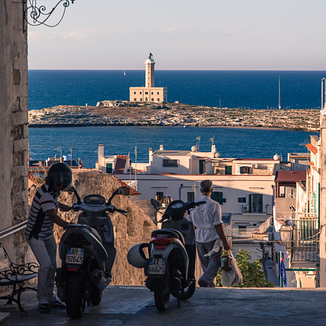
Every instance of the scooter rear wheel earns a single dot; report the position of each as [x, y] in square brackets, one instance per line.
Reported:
[161, 294]
[75, 303]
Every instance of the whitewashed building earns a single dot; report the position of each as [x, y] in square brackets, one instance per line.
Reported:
[243, 187]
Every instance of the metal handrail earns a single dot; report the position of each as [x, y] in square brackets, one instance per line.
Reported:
[13, 229]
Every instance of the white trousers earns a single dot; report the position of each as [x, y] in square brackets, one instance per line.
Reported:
[45, 252]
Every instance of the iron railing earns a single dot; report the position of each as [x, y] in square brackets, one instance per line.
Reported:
[12, 229]
[305, 240]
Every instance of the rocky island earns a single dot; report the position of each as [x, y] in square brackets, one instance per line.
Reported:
[119, 113]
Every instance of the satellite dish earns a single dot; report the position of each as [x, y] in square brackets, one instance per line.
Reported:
[217, 155]
[194, 148]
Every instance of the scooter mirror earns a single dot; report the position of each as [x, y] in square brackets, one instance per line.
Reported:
[156, 204]
[123, 191]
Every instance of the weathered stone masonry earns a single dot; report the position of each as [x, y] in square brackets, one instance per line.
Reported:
[14, 120]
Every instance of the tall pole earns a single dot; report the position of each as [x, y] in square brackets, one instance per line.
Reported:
[136, 167]
[279, 92]
[323, 93]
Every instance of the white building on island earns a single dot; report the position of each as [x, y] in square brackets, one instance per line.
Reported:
[149, 93]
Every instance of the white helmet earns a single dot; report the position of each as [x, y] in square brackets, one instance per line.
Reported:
[136, 256]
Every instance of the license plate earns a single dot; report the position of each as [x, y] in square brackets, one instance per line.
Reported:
[156, 266]
[75, 256]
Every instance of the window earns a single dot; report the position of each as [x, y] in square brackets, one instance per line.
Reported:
[158, 99]
[152, 93]
[152, 100]
[201, 166]
[190, 196]
[140, 99]
[170, 163]
[242, 228]
[109, 168]
[140, 92]
[228, 170]
[242, 199]
[281, 191]
[134, 92]
[158, 93]
[245, 170]
[286, 192]
[146, 93]
[255, 203]
[135, 99]
[218, 196]
[159, 195]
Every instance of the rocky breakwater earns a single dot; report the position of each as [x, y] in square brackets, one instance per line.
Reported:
[134, 228]
[173, 114]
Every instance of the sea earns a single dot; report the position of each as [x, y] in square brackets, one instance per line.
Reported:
[229, 89]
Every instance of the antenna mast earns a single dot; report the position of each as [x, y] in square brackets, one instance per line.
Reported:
[279, 92]
[323, 94]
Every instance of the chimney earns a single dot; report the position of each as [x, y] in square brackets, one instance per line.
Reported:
[101, 157]
[150, 154]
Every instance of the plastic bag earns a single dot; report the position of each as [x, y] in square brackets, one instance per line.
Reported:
[234, 276]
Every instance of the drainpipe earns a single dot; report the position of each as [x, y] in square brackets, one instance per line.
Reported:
[181, 186]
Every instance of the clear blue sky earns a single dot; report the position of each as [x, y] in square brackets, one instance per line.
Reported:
[184, 34]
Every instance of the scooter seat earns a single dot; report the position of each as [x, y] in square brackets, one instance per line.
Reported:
[171, 232]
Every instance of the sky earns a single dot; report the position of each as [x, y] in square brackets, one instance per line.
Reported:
[183, 35]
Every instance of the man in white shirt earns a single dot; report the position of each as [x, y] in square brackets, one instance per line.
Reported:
[207, 220]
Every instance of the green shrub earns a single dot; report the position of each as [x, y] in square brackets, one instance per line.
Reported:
[252, 273]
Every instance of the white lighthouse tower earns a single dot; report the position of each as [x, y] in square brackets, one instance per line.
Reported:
[149, 93]
[149, 73]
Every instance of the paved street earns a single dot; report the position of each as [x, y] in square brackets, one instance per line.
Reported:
[122, 305]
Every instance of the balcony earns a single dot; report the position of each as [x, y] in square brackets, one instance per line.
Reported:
[304, 246]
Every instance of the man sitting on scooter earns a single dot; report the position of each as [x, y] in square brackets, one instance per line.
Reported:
[39, 232]
[207, 220]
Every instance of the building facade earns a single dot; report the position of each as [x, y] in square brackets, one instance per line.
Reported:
[149, 93]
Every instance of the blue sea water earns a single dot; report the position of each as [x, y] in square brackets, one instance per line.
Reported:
[230, 142]
[232, 89]
[243, 89]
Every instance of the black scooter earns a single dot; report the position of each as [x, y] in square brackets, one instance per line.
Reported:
[169, 259]
[87, 253]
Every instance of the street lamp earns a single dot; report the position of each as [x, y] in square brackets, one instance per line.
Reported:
[286, 232]
[37, 14]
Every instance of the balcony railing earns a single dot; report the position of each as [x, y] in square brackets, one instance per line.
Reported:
[255, 209]
[305, 240]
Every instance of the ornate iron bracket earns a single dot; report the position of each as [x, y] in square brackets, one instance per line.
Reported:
[37, 14]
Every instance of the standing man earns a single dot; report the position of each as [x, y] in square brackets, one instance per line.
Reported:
[39, 232]
[207, 220]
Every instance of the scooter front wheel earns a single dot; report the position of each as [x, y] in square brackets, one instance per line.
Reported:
[75, 303]
[161, 294]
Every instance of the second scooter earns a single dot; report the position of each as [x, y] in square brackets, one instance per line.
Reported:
[169, 259]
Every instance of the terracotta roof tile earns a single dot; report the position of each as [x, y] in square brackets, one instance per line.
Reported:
[290, 176]
[312, 148]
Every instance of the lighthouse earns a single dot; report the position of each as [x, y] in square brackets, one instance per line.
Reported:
[149, 93]
[149, 73]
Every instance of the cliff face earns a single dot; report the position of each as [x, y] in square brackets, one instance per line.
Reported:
[134, 228]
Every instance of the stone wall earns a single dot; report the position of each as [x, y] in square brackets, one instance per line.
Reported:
[13, 122]
[134, 228]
